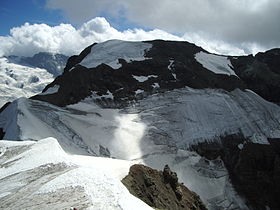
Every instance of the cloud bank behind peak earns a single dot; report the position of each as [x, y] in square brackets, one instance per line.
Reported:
[29, 39]
[244, 24]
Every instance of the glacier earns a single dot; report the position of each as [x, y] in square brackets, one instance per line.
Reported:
[155, 131]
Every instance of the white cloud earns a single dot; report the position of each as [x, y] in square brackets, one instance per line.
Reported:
[238, 23]
[28, 39]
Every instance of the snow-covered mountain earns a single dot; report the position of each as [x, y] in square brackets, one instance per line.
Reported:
[53, 63]
[27, 76]
[213, 119]
[21, 81]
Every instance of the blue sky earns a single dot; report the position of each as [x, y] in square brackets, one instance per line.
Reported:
[17, 12]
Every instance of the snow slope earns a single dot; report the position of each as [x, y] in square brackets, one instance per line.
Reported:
[20, 81]
[215, 63]
[111, 51]
[155, 131]
[33, 176]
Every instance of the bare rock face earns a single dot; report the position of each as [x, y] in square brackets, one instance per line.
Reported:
[160, 189]
[254, 169]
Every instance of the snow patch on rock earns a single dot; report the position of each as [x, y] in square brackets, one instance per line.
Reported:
[111, 51]
[155, 85]
[215, 63]
[143, 78]
[139, 91]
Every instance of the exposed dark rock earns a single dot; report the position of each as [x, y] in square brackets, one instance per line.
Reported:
[254, 169]
[104, 151]
[4, 106]
[160, 190]
[2, 133]
[261, 73]
[75, 59]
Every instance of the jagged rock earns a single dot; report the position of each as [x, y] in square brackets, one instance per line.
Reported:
[254, 169]
[75, 59]
[2, 133]
[160, 190]
[4, 106]
[261, 73]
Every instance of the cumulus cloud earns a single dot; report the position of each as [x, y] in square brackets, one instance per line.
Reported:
[29, 39]
[239, 23]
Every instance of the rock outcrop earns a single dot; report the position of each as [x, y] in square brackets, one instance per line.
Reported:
[254, 169]
[161, 189]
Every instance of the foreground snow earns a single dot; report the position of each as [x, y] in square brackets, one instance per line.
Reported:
[21, 81]
[40, 175]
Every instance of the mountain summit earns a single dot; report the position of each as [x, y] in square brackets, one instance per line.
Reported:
[124, 71]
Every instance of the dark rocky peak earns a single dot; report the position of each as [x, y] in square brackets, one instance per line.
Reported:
[127, 71]
[270, 58]
[75, 59]
[117, 72]
[261, 73]
[160, 189]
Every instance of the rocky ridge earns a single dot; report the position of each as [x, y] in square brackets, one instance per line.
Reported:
[161, 189]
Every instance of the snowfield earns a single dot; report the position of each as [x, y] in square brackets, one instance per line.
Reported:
[21, 81]
[155, 131]
[40, 175]
[111, 51]
[215, 63]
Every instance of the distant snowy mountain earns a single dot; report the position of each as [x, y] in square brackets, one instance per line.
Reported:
[21, 81]
[53, 63]
[27, 76]
[213, 119]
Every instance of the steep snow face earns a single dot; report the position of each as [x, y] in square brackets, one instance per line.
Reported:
[111, 51]
[215, 63]
[176, 118]
[20, 81]
[188, 116]
[32, 172]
